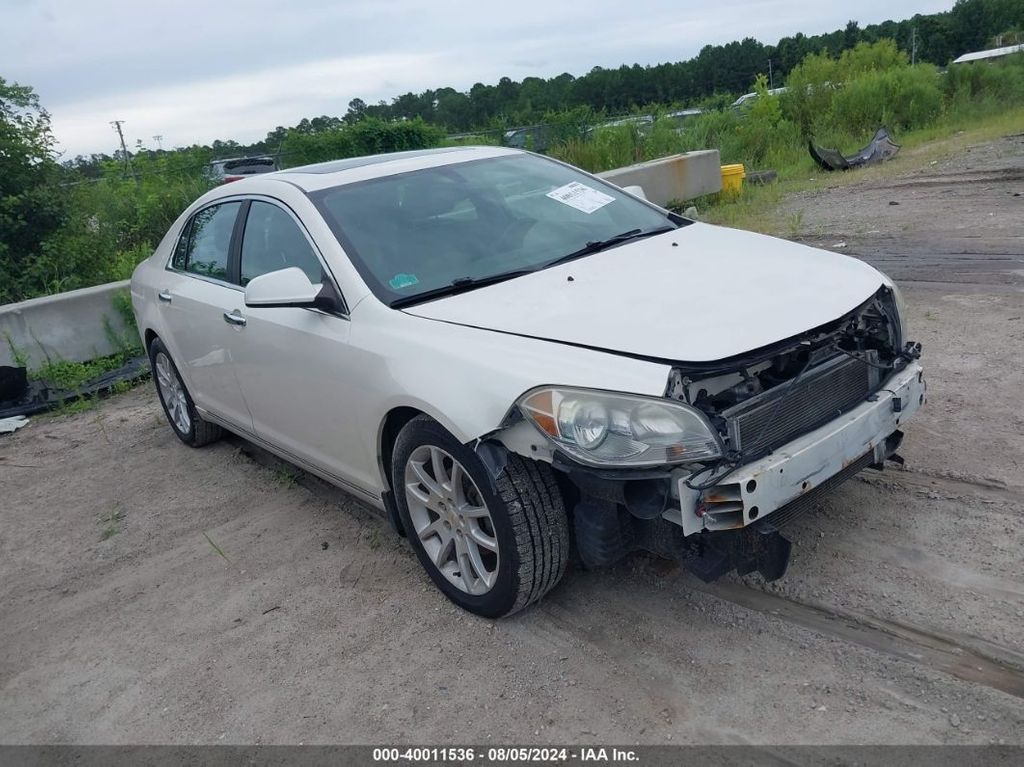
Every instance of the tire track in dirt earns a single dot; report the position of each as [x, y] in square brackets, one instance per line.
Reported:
[971, 660]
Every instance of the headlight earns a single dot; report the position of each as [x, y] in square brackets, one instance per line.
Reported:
[604, 429]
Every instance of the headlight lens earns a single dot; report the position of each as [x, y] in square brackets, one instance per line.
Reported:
[605, 429]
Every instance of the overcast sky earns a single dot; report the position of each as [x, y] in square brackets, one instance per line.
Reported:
[196, 71]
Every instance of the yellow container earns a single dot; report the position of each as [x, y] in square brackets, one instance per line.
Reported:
[732, 179]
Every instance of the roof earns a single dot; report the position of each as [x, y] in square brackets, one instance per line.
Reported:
[992, 53]
[338, 172]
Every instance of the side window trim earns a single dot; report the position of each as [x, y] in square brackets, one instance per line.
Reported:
[235, 248]
[183, 236]
[243, 217]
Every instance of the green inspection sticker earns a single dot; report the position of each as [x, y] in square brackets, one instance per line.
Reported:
[400, 281]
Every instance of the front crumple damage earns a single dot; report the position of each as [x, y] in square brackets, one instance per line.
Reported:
[795, 420]
[762, 400]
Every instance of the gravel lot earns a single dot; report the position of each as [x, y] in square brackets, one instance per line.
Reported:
[900, 620]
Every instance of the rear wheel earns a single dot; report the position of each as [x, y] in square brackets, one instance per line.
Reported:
[174, 397]
[492, 545]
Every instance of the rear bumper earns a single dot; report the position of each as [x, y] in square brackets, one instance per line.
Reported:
[824, 456]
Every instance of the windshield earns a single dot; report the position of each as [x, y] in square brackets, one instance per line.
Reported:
[417, 233]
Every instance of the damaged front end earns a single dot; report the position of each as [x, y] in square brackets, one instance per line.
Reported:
[794, 421]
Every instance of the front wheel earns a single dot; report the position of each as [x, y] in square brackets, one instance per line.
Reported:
[492, 546]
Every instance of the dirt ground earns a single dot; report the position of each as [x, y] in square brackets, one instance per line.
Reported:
[900, 620]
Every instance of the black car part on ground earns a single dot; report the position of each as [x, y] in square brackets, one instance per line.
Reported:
[13, 383]
[38, 396]
[880, 149]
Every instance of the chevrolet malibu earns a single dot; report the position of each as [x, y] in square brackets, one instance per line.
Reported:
[519, 363]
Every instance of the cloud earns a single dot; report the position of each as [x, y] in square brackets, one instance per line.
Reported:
[243, 106]
[194, 71]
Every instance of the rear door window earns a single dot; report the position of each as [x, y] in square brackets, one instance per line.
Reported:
[272, 241]
[209, 240]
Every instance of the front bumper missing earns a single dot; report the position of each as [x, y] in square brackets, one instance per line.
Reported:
[838, 449]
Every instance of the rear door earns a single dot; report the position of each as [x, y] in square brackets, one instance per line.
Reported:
[203, 306]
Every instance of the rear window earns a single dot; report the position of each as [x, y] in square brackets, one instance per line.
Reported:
[209, 240]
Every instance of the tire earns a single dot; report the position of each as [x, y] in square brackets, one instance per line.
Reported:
[177, 403]
[523, 517]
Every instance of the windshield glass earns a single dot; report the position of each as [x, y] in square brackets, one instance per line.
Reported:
[421, 231]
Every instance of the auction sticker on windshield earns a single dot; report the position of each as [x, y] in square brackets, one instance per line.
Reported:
[581, 197]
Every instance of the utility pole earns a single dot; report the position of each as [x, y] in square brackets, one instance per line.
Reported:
[124, 150]
[771, 78]
[159, 139]
[913, 46]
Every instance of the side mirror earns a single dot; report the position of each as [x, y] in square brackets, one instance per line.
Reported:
[285, 287]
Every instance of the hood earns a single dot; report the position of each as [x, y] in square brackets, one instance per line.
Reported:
[701, 293]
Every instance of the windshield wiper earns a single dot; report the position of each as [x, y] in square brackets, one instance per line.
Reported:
[461, 285]
[596, 246]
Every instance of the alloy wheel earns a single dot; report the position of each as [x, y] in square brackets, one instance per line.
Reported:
[451, 519]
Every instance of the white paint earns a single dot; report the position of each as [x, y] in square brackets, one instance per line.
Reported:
[316, 388]
[698, 294]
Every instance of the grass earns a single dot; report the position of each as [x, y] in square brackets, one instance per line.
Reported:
[73, 376]
[218, 549]
[111, 523]
[286, 475]
[759, 208]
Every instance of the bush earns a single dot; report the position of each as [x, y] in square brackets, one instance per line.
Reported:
[869, 85]
[902, 98]
[989, 86]
[367, 136]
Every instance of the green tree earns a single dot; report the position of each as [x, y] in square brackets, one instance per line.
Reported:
[31, 203]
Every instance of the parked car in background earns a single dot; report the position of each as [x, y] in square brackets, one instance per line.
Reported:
[748, 98]
[512, 358]
[237, 168]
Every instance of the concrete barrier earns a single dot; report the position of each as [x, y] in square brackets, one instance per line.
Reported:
[679, 177]
[79, 325]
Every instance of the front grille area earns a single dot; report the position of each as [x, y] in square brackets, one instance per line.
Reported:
[804, 502]
[770, 420]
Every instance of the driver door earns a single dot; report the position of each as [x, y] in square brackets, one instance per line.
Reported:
[294, 364]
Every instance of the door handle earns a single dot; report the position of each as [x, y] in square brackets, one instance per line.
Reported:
[163, 295]
[234, 318]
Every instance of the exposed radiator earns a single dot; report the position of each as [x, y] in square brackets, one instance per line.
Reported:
[770, 420]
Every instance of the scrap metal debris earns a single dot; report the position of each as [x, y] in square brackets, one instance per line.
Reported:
[25, 397]
[880, 149]
[10, 425]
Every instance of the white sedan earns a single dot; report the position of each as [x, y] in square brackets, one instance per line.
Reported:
[515, 360]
